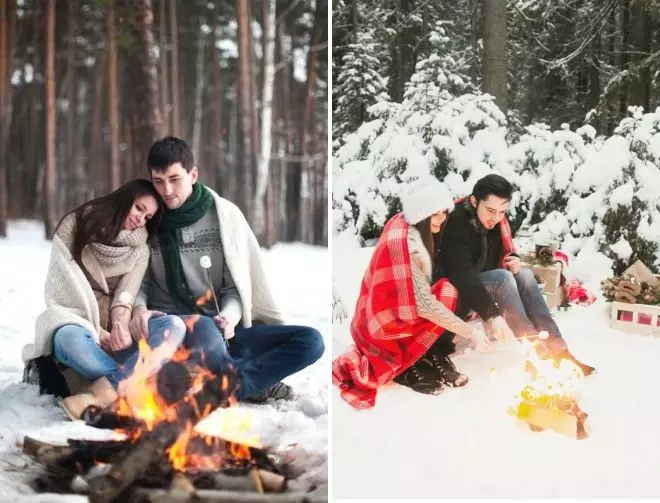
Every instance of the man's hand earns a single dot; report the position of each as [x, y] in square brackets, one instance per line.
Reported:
[499, 329]
[226, 328]
[513, 263]
[139, 325]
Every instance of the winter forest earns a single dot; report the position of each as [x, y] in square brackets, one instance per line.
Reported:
[558, 96]
[87, 86]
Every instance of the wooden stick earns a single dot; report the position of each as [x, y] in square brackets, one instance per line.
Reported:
[54, 455]
[254, 475]
[142, 495]
[272, 482]
[106, 487]
[181, 482]
[234, 483]
[31, 446]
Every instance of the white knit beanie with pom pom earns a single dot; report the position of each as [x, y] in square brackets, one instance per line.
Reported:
[423, 197]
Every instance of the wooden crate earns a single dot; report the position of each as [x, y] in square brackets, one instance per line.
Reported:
[551, 274]
[635, 318]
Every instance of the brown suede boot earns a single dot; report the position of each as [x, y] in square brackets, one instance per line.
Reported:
[100, 393]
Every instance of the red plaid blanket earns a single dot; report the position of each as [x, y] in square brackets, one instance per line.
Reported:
[574, 290]
[388, 334]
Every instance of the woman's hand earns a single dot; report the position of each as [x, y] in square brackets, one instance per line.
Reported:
[120, 337]
[479, 340]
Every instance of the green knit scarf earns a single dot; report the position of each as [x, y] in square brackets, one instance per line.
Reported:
[190, 212]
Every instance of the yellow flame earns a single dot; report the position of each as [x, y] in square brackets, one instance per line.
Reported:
[550, 384]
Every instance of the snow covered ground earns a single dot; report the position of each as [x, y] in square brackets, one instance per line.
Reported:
[463, 443]
[297, 430]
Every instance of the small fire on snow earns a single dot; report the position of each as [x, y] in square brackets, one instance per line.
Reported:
[209, 441]
[548, 398]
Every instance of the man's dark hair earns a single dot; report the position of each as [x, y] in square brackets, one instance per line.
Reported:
[168, 151]
[492, 184]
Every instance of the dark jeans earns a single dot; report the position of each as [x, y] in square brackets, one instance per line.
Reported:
[263, 354]
[522, 305]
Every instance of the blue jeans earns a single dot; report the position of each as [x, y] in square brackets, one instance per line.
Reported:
[262, 354]
[74, 346]
[522, 304]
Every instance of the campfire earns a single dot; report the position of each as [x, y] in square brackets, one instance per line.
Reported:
[549, 397]
[172, 448]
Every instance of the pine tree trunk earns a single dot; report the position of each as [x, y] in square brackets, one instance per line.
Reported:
[640, 87]
[286, 169]
[299, 195]
[34, 169]
[594, 80]
[495, 51]
[266, 122]
[233, 168]
[141, 79]
[96, 166]
[626, 47]
[199, 91]
[164, 89]
[49, 175]
[68, 168]
[221, 171]
[246, 159]
[174, 33]
[5, 86]
[254, 100]
[113, 101]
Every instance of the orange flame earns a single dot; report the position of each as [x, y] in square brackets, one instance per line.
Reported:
[229, 435]
[177, 453]
[204, 298]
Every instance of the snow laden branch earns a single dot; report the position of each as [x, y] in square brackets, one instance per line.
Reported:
[598, 25]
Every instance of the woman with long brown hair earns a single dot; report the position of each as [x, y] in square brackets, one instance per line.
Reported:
[99, 256]
[399, 315]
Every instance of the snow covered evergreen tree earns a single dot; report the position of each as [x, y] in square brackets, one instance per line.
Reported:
[359, 84]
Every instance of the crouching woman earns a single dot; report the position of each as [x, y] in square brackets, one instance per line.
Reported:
[399, 316]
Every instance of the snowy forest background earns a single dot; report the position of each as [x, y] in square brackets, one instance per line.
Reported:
[558, 96]
[86, 86]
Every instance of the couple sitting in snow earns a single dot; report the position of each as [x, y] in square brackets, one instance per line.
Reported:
[119, 263]
[404, 322]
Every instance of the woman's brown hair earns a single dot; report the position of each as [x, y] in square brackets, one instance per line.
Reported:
[424, 228]
[101, 220]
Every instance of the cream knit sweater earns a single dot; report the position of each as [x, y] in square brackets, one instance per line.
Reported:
[69, 296]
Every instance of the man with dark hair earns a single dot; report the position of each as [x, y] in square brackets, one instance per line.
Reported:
[477, 255]
[204, 242]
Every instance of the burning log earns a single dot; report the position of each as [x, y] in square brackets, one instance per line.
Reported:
[272, 482]
[152, 446]
[31, 446]
[110, 420]
[248, 482]
[210, 496]
[570, 422]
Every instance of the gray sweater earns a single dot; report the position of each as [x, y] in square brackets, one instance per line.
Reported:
[199, 239]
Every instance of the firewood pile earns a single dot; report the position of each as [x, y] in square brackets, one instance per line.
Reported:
[166, 461]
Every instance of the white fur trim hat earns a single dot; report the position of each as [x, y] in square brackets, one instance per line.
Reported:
[423, 197]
